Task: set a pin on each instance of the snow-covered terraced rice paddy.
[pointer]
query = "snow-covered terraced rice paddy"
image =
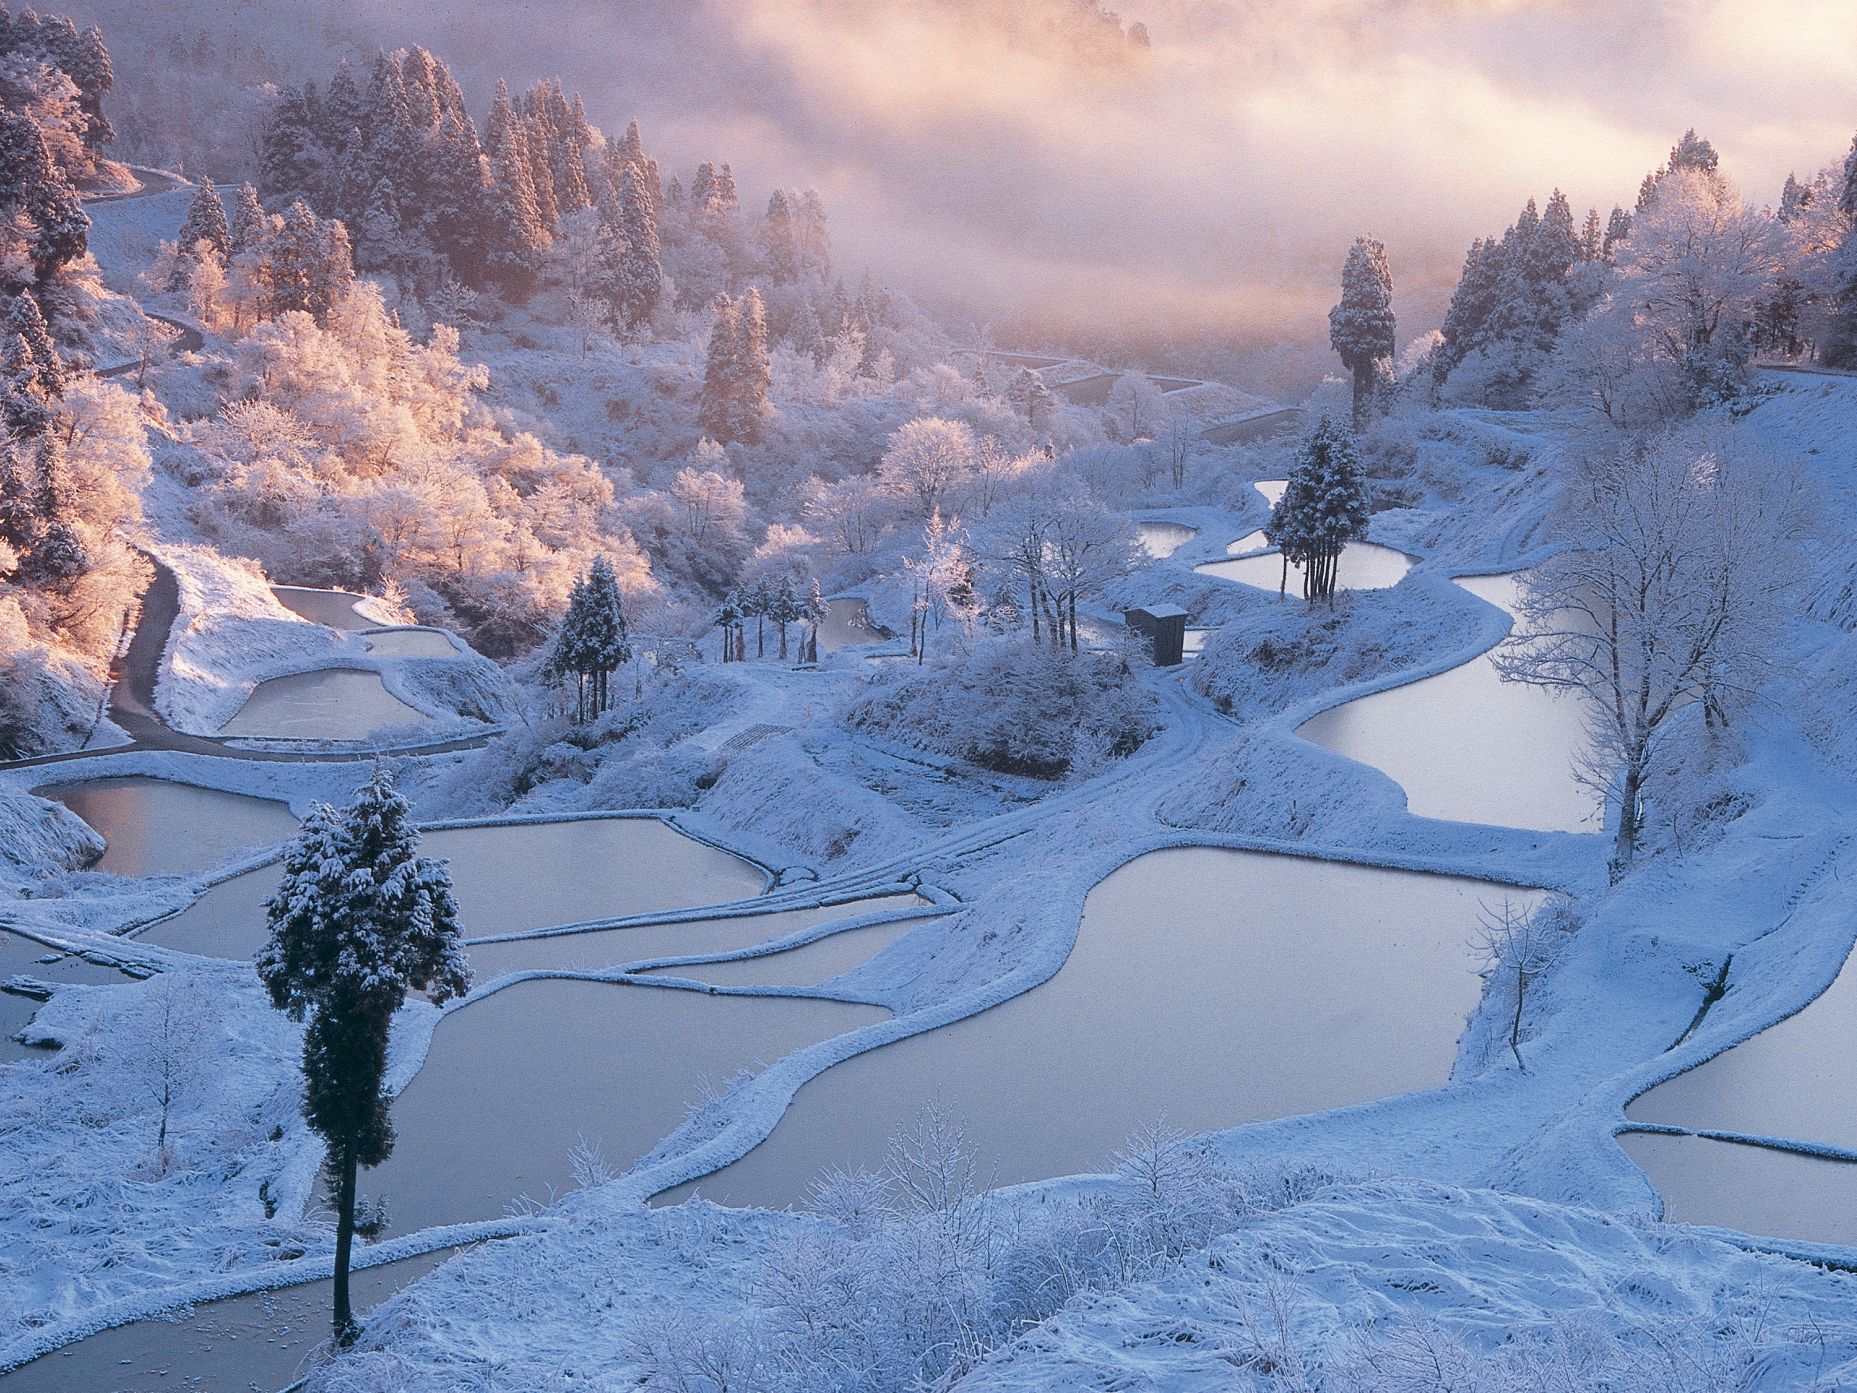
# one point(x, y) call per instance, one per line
point(259, 1341)
point(1215, 987)
point(1467, 746)
point(20, 957)
point(1364, 566)
point(329, 704)
point(600, 948)
point(1758, 1189)
point(409, 643)
point(1791, 1081)
point(160, 827)
point(514, 1082)
point(335, 608)
point(1163, 539)
point(510, 878)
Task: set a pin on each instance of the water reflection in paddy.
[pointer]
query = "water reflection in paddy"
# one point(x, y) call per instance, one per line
point(21, 957)
point(410, 643)
point(515, 1081)
point(259, 1341)
point(1217, 987)
point(159, 827)
point(1793, 1079)
point(335, 608)
point(329, 704)
point(847, 623)
point(525, 876)
point(1163, 539)
point(1757, 1189)
point(1468, 746)
point(1363, 566)
point(607, 947)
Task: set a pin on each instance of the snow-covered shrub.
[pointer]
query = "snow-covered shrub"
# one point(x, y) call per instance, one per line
point(1288, 652)
point(1012, 706)
point(912, 1275)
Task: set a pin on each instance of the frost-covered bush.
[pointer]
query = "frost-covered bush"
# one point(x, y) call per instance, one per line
point(624, 759)
point(912, 1275)
point(1013, 707)
point(1288, 652)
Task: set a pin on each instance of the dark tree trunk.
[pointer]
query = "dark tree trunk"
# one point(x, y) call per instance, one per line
point(1515, 1026)
point(1625, 845)
point(1363, 394)
point(345, 1329)
point(760, 637)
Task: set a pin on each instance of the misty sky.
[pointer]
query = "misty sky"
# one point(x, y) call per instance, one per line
point(1217, 182)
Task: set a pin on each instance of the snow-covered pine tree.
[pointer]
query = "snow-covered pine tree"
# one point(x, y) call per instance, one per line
point(249, 220)
point(23, 410)
point(32, 185)
point(728, 618)
point(778, 242)
point(1618, 228)
point(21, 523)
point(737, 375)
point(357, 171)
point(1592, 236)
point(293, 164)
point(207, 221)
point(640, 278)
point(814, 610)
point(784, 609)
point(1473, 302)
point(1323, 508)
point(522, 237)
point(592, 640)
point(502, 117)
point(1361, 325)
point(717, 411)
point(342, 109)
point(806, 336)
point(24, 318)
point(813, 236)
point(358, 920)
point(756, 603)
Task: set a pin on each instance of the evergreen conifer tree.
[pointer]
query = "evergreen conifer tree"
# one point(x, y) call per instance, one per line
point(1323, 508)
point(249, 220)
point(24, 318)
point(358, 920)
point(1361, 326)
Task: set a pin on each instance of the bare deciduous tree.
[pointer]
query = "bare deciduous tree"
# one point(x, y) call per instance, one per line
point(1672, 584)
point(180, 1029)
point(1518, 945)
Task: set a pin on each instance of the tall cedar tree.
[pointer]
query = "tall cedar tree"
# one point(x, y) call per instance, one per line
point(206, 222)
point(592, 641)
point(1323, 508)
point(37, 199)
point(358, 921)
point(1361, 326)
point(737, 375)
